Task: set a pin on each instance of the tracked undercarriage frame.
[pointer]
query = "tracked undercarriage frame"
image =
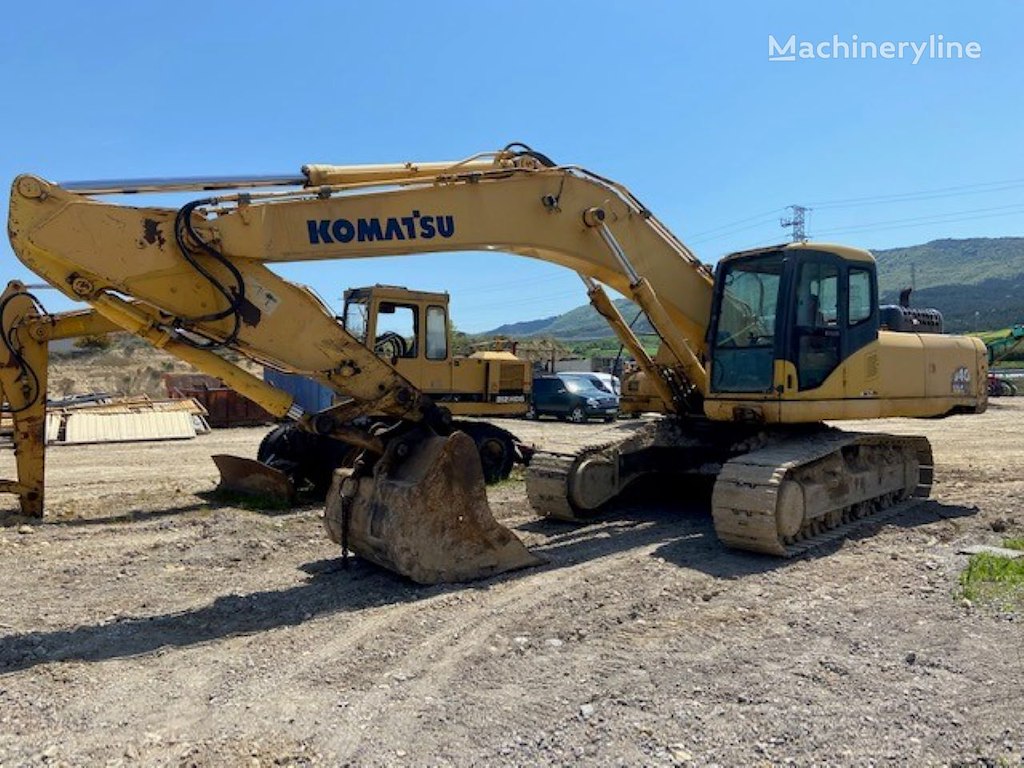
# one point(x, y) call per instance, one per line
point(777, 491)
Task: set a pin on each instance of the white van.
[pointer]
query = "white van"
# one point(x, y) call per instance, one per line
point(603, 381)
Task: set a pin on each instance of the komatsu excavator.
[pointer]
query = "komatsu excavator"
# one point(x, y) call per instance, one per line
point(753, 358)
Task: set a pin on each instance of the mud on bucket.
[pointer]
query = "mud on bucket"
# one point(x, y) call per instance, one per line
point(425, 515)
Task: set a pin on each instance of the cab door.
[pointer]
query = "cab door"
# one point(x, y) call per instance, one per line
point(834, 314)
point(744, 334)
point(414, 339)
point(395, 328)
point(817, 330)
point(548, 395)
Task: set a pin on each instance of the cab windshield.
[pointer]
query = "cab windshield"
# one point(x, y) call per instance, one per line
point(744, 343)
point(355, 317)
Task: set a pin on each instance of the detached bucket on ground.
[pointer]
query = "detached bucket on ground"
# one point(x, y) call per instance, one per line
point(423, 513)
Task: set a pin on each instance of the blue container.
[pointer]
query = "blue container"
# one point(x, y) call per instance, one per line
point(311, 395)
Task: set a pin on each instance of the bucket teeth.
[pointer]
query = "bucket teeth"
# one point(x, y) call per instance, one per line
point(423, 513)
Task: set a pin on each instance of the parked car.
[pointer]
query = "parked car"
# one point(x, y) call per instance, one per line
point(571, 399)
point(603, 381)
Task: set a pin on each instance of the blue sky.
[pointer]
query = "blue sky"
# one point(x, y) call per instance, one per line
point(675, 100)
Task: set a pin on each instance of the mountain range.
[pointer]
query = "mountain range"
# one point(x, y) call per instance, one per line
point(977, 284)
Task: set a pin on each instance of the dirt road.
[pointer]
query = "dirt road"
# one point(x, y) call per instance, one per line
point(143, 624)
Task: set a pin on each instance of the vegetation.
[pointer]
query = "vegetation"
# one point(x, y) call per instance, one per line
point(609, 347)
point(976, 283)
point(96, 342)
point(939, 263)
point(1010, 356)
point(992, 304)
point(995, 580)
point(579, 324)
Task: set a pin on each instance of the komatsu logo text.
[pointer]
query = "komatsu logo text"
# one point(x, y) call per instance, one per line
point(413, 227)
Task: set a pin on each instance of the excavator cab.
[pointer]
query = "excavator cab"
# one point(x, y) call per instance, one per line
point(785, 318)
point(411, 331)
point(407, 328)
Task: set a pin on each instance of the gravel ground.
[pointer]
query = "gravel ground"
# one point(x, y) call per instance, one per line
point(145, 624)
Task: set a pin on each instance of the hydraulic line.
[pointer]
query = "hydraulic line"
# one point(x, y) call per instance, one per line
point(14, 348)
point(182, 226)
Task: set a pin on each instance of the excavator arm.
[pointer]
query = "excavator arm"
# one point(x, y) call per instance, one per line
point(202, 269)
point(191, 306)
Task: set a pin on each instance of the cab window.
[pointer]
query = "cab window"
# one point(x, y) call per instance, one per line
point(817, 296)
point(744, 339)
point(355, 320)
point(860, 296)
point(437, 334)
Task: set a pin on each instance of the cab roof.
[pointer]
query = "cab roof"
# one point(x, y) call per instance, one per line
point(842, 251)
point(398, 293)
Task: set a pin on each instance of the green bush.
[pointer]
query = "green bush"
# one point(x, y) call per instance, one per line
point(96, 341)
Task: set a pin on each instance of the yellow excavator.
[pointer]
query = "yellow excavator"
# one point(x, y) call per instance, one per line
point(753, 358)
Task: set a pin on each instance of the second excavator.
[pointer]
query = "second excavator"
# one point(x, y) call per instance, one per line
point(753, 358)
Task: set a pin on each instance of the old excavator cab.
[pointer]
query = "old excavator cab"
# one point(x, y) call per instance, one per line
point(784, 319)
point(404, 325)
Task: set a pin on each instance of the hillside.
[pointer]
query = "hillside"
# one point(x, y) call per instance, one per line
point(523, 328)
point(951, 262)
point(584, 323)
point(577, 324)
point(977, 283)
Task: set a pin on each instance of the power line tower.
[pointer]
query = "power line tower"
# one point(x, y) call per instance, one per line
point(797, 221)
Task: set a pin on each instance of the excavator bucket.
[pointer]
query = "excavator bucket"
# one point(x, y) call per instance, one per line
point(423, 513)
point(249, 477)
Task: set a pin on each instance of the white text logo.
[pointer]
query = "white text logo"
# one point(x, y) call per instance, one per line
point(837, 48)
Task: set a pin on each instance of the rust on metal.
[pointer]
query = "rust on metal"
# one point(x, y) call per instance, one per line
point(151, 232)
point(225, 407)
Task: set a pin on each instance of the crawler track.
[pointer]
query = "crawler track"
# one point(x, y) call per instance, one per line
point(791, 497)
point(548, 480)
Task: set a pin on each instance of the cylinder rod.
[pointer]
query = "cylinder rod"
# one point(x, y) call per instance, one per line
point(180, 184)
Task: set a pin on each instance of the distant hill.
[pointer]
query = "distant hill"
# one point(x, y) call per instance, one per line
point(524, 328)
point(951, 262)
point(977, 283)
point(580, 324)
